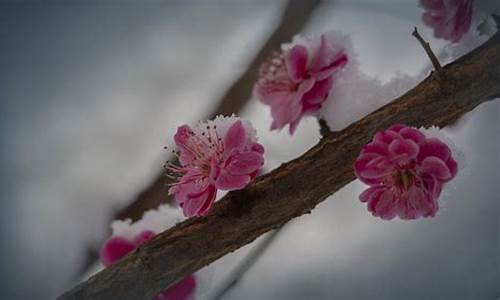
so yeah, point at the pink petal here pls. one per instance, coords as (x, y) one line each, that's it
(182, 140)
(449, 19)
(434, 147)
(290, 111)
(432, 185)
(235, 137)
(338, 62)
(286, 112)
(296, 62)
(436, 167)
(212, 192)
(215, 169)
(256, 147)
(320, 56)
(400, 147)
(114, 249)
(244, 163)
(318, 93)
(293, 126)
(143, 237)
(271, 94)
(371, 193)
(182, 290)
(326, 59)
(386, 136)
(397, 127)
(198, 203)
(371, 168)
(412, 134)
(386, 206)
(377, 148)
(416, 201)
(229, 182)
(452, 166)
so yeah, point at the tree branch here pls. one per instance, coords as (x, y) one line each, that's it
(430, 54)
(294, 188)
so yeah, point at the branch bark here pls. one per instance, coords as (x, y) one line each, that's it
(294, 188)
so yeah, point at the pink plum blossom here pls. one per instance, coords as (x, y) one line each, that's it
(450, 19)
(215, 155)
(117, 247)
(295, 82)
(405, 171)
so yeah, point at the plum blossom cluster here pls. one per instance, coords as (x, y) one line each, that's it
(127, 236)
(406, 172)
(296, 81)
(450, 19)
(222, 154)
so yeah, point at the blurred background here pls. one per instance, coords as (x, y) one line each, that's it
(90, 92)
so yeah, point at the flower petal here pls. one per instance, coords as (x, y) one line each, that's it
(403, 148)
(235, 137)
(371, 193)
(199, 203)
(386, 206)
(377, 148)
(436, 167)
(244, 163)
(229, 182)
(434, 147)
(327, 58)
(318, 93)
(182, 139)
(412, 134)
(143, 237)
(296, 62)
(182, 290)
(114, 249)
(372, 168)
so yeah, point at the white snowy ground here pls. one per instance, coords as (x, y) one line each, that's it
(90, 94)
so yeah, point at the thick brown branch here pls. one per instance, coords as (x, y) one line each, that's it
(295, 16)
(294, 188)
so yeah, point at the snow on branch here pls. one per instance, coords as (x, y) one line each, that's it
(294, 188)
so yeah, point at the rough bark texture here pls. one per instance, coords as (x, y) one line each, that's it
(294, 188)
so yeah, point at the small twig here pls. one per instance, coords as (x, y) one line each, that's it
(249, 261)
(324, 130)
(430, 54)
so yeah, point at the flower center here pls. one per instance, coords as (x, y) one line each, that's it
(274, 75)
(203, 146)
(403, 179)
